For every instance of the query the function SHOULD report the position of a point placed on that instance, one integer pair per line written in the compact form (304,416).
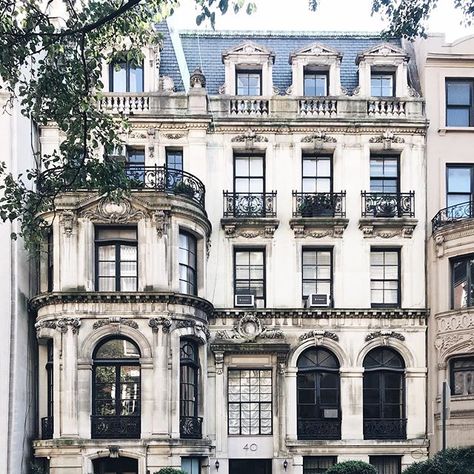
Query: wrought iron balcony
(47,427)
(314,428)
(190,427)
(319,204)
(452,214)
(377,428)
(157,178)
(388,204)
(250,204)
(127,427)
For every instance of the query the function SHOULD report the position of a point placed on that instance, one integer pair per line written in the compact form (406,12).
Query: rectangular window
(459,102)
(317,464)
(248,82)
(250,402)
(386,464)
(135,164)
(462,286)
(249,274)
(187,263)
(125,76)
(174,159)
(315,83)
(317,272)
(382,84)
(462,376)
(459,184)
(116,259)
(384,174)
(316,174)
(385,277)
(191,465)
(249,174)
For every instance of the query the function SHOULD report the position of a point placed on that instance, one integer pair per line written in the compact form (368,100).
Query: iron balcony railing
(314,428)
(452,214)
(47,427)
(157,178)
(127,427)
(388,204)
(319,204)
(383,428)
(250,204)
(190,427)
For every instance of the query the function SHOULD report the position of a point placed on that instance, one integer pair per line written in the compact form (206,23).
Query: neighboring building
(258,303)
(17,338)
(447,72)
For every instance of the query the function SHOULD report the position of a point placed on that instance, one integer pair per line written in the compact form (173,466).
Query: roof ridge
(282,33)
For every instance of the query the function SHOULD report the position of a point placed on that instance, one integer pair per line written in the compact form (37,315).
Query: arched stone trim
(464,347)
(102,454)
(326,343)
(395,344)
(91,341)
(197,331)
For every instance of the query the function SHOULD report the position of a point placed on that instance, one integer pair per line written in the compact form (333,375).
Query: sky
(332,15)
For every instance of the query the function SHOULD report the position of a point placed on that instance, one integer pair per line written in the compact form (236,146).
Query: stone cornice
(250,347)
(46,299)
(301,313)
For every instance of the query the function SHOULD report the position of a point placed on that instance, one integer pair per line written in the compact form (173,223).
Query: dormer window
(315,83)
(125,76)
(248,70)
(383,72)
(382,84)
(248,82)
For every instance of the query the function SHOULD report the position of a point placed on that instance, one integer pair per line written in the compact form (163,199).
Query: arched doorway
(115,466)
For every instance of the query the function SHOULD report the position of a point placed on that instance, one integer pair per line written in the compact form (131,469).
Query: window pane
(136,79)
(459,180)
(459,93)
(460,284)
(119,78)
(458,117)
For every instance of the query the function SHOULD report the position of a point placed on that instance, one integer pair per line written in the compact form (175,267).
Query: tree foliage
(170,470)
(450,461)
(52,65)
(352,467)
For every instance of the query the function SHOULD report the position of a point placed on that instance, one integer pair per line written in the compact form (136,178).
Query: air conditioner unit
(315,299)
(245,300)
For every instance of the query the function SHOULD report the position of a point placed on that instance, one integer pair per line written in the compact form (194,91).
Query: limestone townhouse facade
(258,303)
(447,74)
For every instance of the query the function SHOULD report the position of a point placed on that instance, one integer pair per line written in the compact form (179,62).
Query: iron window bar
(388,205)
(249,204)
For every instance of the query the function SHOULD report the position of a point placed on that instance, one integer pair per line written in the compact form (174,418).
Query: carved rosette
(111,212)
(319,335)
(155,324)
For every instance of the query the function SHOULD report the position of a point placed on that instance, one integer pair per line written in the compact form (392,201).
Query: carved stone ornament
(232,230)
(174,136)
(319,334)
(455,342)
(197,79)
(439,241)
(208,247)
(161,221)
(219,358)
(385,335)
(111,212)
(155,323)
(167,84)
(222,90)
(281,363)
(456,322)
(197,327)
(249,327)
(302,232)
(63,324)
(45,325)
(250,138)
(318,138)
(68,221)
(155,55)
(117,321)
(370,231)
(388,138)
(413,92)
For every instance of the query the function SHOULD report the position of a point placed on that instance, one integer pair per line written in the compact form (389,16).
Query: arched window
(384,395)
(318,386)
(116,390)
(190,423)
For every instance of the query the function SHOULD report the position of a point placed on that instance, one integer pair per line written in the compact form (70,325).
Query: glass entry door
(250,466)
(115,466)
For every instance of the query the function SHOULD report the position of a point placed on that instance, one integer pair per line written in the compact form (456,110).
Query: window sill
(444,130)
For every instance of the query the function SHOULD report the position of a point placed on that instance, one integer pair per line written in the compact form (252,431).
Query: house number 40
(251,447)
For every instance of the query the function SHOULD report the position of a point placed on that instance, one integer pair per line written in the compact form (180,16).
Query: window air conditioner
(318,300)
(245,300)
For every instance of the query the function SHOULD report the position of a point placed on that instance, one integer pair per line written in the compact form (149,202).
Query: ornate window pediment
(383,51)
(315,51)
(248,48)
